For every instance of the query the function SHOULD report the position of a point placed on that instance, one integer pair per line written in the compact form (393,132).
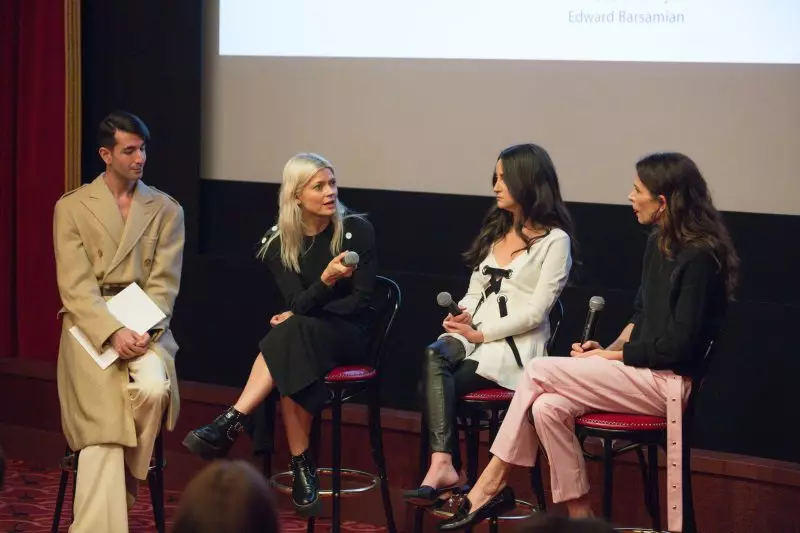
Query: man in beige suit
(109,233)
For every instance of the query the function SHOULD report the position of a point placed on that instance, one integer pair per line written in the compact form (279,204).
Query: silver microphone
(445,300)
(596,304)
(350,259)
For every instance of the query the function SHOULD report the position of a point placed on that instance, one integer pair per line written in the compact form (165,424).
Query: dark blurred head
(560,524)
(227,497)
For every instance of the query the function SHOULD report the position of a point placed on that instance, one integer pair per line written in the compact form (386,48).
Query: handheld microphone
(596,304)
(445,300)
(350,259)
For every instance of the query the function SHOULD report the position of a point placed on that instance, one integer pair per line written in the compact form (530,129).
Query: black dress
(330,325)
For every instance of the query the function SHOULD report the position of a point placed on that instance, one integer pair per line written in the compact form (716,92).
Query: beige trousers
(101,501)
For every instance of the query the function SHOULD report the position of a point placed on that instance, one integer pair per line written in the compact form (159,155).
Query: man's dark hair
(123,121)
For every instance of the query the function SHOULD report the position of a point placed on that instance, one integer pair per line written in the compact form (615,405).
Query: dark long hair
(690,218)
(531,179)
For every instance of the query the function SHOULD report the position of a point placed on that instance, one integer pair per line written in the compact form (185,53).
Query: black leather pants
(447,376)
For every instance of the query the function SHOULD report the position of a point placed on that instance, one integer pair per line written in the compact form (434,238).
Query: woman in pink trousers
(689,275)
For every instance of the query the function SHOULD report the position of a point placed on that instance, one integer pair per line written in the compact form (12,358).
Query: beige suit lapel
(100,202)
(143,208)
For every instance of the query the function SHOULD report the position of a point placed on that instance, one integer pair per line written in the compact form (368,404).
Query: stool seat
(351,373)
(622,422)
(498,394)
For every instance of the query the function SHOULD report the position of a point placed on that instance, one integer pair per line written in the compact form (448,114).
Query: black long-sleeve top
(679,308)
(306,294)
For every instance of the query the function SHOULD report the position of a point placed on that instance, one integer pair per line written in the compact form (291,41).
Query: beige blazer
(94,246)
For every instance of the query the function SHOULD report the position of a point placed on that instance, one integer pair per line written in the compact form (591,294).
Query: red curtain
(32,172)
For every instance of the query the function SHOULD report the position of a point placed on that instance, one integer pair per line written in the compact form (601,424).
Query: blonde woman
(325,324)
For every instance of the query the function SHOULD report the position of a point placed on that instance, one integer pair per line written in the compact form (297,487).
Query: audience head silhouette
(227,497)
(560,524)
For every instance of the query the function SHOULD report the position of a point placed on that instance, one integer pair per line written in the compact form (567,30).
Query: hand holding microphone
(350,259)
(459,320)
(457,314)
(596,305)
(341,266)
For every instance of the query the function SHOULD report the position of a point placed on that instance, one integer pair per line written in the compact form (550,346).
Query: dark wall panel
(420,237)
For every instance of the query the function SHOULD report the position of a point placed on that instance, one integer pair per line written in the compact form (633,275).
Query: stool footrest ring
(282,481)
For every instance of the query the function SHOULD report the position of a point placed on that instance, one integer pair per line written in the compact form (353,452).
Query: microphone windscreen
(350,259)
(444,299)
(597,303)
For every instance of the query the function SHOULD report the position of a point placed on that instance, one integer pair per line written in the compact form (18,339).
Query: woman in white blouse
(521,261)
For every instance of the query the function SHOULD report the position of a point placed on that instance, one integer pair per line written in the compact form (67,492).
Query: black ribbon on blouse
(496,277)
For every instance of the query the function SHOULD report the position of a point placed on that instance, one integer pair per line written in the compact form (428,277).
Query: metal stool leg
(473,447)
(655,506)
(646,484)
(74,486)
(336,421)
(316,430)
(155,480)
(494,425)
(424,445)
(376,441)
(62,493)
(266,465)
(689,523)
(536,482)
(608,480)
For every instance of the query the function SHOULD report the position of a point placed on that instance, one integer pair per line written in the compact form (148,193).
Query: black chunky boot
(215,439)
(305,485)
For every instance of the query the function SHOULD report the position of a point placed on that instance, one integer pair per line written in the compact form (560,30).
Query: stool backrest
(688,429)
(700,376)
(556,316)
(385,302)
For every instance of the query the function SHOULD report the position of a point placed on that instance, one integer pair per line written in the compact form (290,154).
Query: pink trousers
(559,389)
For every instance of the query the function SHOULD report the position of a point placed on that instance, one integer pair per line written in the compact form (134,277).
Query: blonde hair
(296,174)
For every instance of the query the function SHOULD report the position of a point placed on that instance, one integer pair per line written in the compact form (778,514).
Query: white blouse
(532,288)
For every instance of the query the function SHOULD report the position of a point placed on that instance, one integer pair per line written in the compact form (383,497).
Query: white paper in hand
(104,359)
(134,309)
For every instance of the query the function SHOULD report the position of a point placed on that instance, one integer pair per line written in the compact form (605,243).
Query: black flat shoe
(464,517)
(426,496)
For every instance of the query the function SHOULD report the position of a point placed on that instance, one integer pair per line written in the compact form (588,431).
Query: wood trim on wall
(703,461)
(72,94)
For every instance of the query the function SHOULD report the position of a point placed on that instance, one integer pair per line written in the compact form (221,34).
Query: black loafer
(426,496)
(465,517)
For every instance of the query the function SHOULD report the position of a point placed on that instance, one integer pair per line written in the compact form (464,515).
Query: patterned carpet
(28,500)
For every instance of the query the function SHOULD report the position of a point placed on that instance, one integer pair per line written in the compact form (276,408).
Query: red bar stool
(155,481)
(481,410)
(639,432)
(346,383)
